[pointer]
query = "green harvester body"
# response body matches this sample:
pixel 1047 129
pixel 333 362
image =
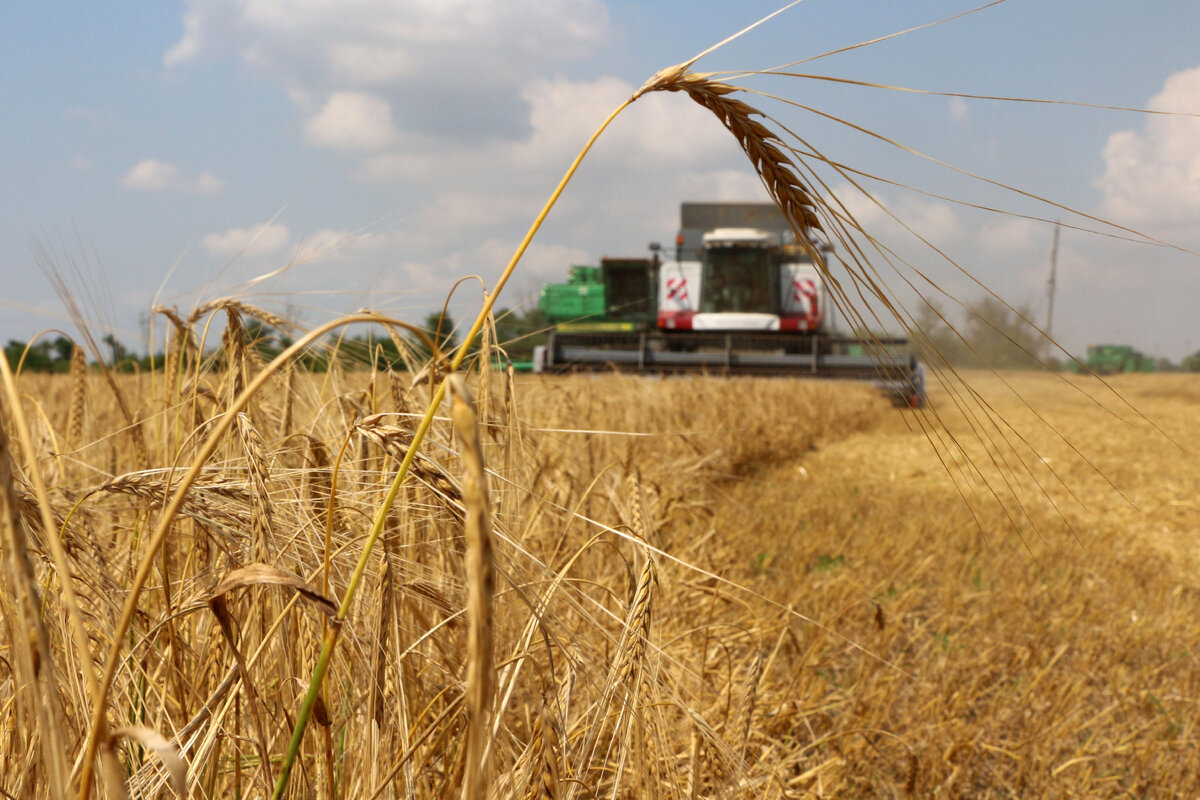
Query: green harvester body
pixel 1115 359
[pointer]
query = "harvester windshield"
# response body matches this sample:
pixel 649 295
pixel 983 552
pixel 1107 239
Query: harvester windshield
pixel 738 279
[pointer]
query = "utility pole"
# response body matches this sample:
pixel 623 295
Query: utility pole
pixel 1050 283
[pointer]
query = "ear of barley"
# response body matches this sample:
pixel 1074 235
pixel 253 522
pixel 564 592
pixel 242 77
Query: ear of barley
pixel 225 502
pixel 75 417
pixel 760 144
pixel 181 345
pixel 233 344
pixel 398 392
pixel 242 309
pixel 637 624
pixel 396 441
pixel 256 466
pixel 740 732
pixel 545 778
pixel 637 512
pixel 289 401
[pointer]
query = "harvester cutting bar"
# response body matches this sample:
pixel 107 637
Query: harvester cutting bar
pixel 881 361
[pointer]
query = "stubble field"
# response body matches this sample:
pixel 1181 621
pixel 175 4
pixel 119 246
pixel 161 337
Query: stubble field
pixel 703 588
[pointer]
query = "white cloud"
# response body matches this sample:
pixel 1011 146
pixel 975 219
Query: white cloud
pixel 1009 235
pixel 192 43
pixel 1152 175
pixel 207 183
pixel 889 219
pixel 367 41
pixel 662 130
pixel 348 246
pixel 152 175
pixel 447 68
pixel 543 261
pixel 257 241
pixel 958 110
pixel 352 121
pixel 393 167
pixel 457 210
pixel 732 185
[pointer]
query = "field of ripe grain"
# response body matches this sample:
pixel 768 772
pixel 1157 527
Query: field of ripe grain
pixel 702 588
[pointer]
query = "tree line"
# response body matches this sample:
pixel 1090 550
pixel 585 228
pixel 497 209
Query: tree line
pixel 990 333
pixel 987 333
pixel 516 332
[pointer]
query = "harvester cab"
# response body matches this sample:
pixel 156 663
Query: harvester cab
pixel 738 273
pixel 745 279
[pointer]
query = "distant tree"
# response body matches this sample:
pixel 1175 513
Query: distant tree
pixel 263 339
pixel 990 334
pixel 519 333
pixel 1001 336
pixel 1191 363
pixel 38 357
pixel 15 350
pixel 441 329
pixel 119 351
pixel 936 339
pixel 62 347
pixel 382 350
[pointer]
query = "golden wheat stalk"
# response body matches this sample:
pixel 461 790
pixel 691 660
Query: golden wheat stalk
pixel 480 589
pixel 780 176
pixel 30 659
pixel 396 441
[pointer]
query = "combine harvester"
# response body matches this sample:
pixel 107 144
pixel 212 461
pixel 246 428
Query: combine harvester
pixel 741 297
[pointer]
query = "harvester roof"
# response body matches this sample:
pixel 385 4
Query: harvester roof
pixel 748 236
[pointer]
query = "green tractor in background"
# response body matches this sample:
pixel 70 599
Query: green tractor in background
pixel 1114 359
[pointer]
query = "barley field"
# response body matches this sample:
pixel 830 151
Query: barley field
pixel 234 577
pixel 699 588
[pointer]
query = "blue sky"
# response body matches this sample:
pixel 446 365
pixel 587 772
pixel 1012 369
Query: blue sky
pixel 174 152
